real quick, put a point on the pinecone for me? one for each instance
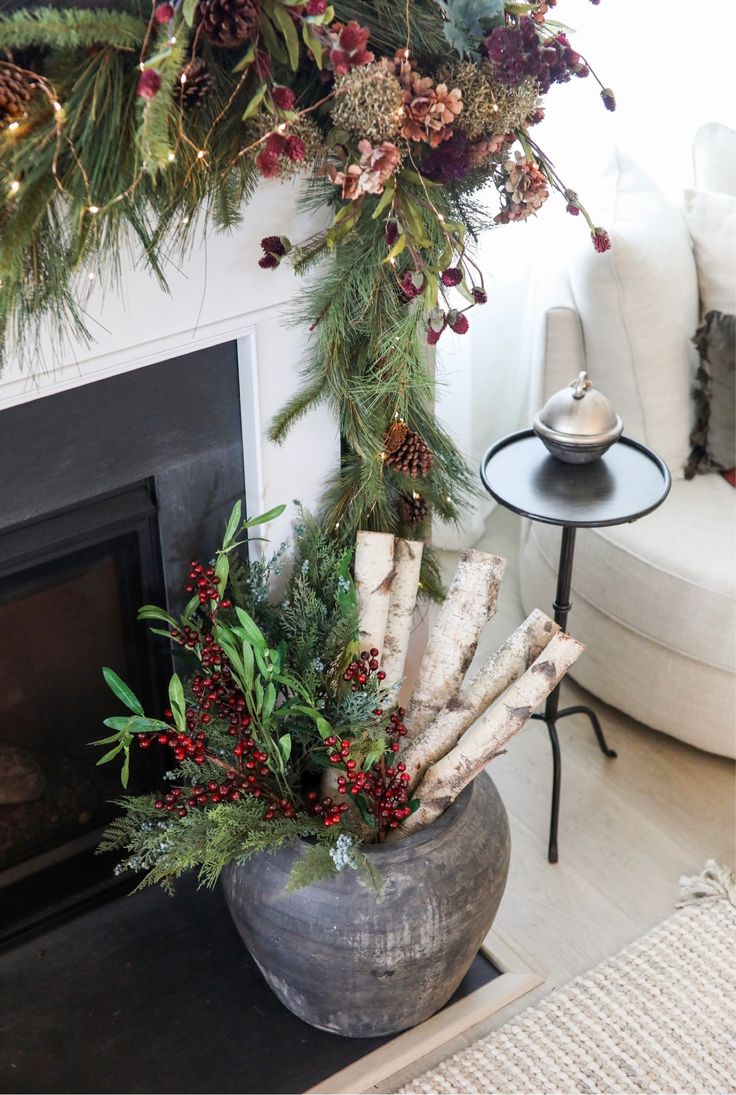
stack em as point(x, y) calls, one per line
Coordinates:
point(193, 90)
point(16, 92)
point(227, 23)
point(406, 451)
point(412, 510)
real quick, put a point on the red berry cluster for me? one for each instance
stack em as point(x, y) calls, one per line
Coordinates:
point(186, 746)
point(360, 669)
point(329, 811)
point(187, 637)
point(385, 791)
point(216, 696)
point(204, 582)
point(208, 794)
point(396, 728)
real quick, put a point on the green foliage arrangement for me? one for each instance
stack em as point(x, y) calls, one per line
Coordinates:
point(280, 692)
point(119, 123)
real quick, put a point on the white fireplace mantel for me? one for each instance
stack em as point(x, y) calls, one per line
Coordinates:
point(217, 294)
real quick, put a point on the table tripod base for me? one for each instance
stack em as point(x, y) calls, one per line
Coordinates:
point(551, 723)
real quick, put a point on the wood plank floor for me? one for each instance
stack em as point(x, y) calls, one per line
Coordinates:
point(629, 827)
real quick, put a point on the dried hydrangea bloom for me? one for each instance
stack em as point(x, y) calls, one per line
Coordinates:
point(526, 189)
point(368, 102)
point(489, 107)
point(429, 112)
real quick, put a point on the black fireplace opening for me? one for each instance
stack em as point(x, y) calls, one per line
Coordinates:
point(109, 490)
point(70, 587)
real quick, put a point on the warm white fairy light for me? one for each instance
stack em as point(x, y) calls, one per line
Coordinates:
point(281, 128)
point(415, 496)
point(13, 126)
point(171, 157)
point(14, 186)
point(183, 78)
point(57, 105)
point(142, 67)
point(93, 209)
point(91, 275)
point(172, 40)
point(201, 154)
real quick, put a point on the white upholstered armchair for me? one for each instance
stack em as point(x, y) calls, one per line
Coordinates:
point(654, 601)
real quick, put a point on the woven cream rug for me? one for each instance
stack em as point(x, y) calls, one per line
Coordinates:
point(659, 1017)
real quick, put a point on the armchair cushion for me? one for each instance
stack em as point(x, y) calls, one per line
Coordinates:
point(638, 305)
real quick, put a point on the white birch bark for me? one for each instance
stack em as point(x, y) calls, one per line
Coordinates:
point(501, 669)
point(446, 779)
point(470, 603)
point(407, 564)
point(374, 575)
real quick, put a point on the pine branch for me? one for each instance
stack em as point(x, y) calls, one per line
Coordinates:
point(70, 29)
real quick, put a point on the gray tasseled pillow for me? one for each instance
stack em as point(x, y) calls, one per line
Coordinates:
point(713, 438)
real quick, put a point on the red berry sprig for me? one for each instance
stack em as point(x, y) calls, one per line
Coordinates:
point(362, 669)
point(385, 790)
point(329, 811)
point(204, 582)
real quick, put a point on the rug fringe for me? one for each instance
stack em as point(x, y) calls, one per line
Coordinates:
point(714, 883)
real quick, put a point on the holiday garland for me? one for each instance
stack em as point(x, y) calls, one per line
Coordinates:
point(115, 123)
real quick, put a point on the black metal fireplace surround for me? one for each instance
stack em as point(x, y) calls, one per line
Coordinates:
point(106, 492)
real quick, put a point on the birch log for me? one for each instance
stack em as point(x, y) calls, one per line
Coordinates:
point(470, 603)
point(374, 575)
point(474, 697)
point(446, 779)
point(407, 563)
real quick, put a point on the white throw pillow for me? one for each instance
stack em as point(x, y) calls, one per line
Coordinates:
point(711, 220)
point(638, 305)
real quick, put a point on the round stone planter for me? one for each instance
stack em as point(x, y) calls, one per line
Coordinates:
point(362, 964)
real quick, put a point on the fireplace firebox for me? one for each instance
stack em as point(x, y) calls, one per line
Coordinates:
point(115, 486)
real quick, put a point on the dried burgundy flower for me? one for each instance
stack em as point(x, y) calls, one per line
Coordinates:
point(391, 232)
point(164, 13)
point(283, 97)
point(408, 284)
point(316, 7)
point(274, 244)
point(458, 322)
point(295, 149)
point(453, 275)
point(435, 327)
point(572, 209)
point(601, 240)
point(480, 296)
point(274, 249)
point(267, 162)
point(609, 99)
point(149, 83)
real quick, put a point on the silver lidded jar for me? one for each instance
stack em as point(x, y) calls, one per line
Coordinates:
point(578, 424)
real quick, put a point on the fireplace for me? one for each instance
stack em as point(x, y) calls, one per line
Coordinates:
point(115, 486)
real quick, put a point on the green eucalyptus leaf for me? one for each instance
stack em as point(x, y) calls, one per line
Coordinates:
point(255, 102)
point(285, 23)
point(233, 523)
point(177, 703)
point(249, 665)
point(250, 629)
point(105, 741)
point(125, 770)
point(116, 722)
point(153, 612)
point(222, 572)
point(110, 754)
point(122, 691)
point(285, 747)
point(187, 9)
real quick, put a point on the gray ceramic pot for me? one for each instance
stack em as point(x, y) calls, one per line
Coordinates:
point(362, 964)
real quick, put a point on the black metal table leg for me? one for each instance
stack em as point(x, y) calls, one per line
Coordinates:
point(552, 713)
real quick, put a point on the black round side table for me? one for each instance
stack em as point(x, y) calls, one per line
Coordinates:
point(626, 483)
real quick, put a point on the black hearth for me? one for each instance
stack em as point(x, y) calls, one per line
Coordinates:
point(109, 491)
